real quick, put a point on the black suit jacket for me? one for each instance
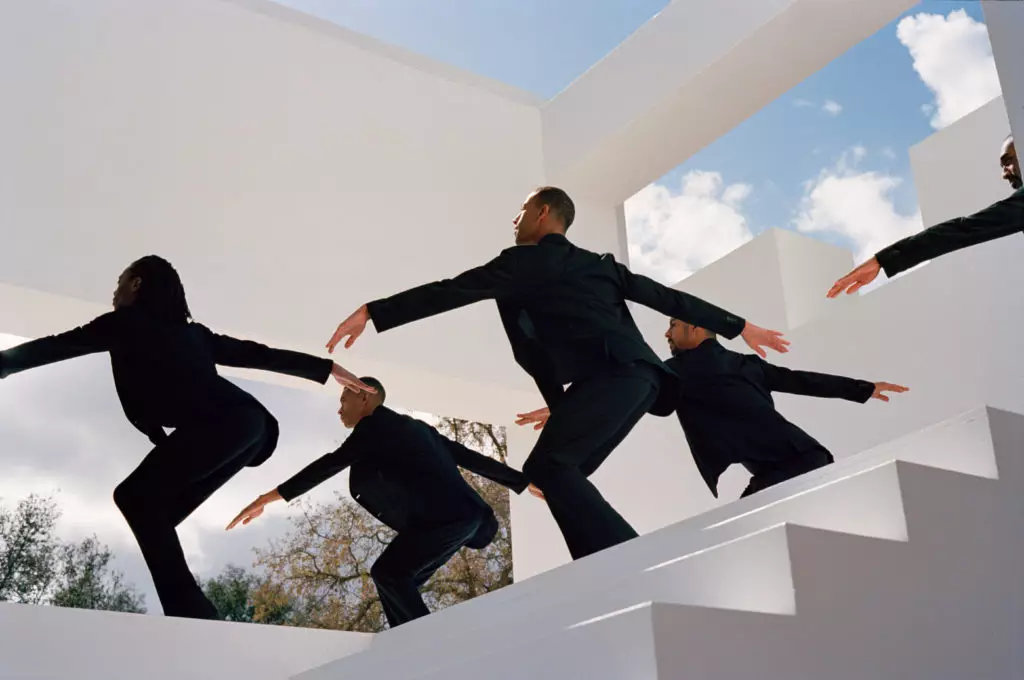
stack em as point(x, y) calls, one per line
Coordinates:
point(563, 308)
point(407, 475)
point(999, 219)
point(725, 406)
point(166, 374)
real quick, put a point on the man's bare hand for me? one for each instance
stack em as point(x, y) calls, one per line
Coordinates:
point(757, 338)
point(536, 492)
point(882, 387)
point(539, 418)
point(350, 328)
point(254, 509)
point(856, 279)
point(347, 378)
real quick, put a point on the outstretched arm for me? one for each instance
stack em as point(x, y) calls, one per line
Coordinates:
point(228, 351)
point(99, 335)
point(310, 476)
point(488, 281)
point(999, 219)
point(823, 385)
point(693, 310)
point(482, 465)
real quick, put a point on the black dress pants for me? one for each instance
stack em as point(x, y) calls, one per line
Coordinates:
point(765, 474)
point(587, 423)
point(171, 482)
point(409, 562)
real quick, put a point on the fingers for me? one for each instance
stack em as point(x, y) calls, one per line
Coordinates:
point(235, 521)
point(249, 513)
point(539, 425)
point(836, 288)
point(336, 338)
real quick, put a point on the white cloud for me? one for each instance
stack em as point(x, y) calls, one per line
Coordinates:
point(855, 204)
point(802, 103)
point(832, 108)
point(953, 56)
point(673, 234)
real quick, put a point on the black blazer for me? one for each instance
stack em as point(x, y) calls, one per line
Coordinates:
point(166, 374)
point(999, 219)
point(725, 406)
point(407, 475)
point(563, 308)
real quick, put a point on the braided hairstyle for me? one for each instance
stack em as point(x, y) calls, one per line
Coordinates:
point(161, 292)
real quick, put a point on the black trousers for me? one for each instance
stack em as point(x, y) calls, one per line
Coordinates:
point(171, 482)
point(589, 421)
point(409, 562)
point(765, 474)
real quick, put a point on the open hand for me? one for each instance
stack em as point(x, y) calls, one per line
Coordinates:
point(856, 279)
point(757, 338)
point(254, 509)
point(882, 387)
point(539, 417)
point(350, 328)
point(349, 380)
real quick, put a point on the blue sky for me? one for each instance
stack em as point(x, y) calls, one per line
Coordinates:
point(792, 165)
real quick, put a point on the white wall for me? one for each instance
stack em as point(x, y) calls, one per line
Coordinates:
point(290, 169)
point(1005, 22)
point(949, 330)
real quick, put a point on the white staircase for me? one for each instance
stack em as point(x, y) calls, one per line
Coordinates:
point(905, 561)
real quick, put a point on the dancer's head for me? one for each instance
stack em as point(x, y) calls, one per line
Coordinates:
point(1010, 164)
point(683, 336)
point(357, 405)
point(152, 284)
point(548, 210)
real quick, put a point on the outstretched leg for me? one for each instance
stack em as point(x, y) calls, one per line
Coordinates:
point(593, 417)
point(171, 482)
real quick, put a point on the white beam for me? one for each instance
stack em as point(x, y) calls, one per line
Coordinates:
point(688, 76)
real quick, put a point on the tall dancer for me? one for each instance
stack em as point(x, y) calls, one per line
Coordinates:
point(564, 312)
point(164, 367)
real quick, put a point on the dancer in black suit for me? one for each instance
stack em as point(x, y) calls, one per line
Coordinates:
point(724, 403)
point(564, 311)
point(1000, 219)
point(407, 475)
point(164, 368)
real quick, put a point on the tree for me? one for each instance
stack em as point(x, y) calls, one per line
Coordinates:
point(37, 568)
point(86, 581)
point(28, 550)
point(321, 568)
point(234, 594)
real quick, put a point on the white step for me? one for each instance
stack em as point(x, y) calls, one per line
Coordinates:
point(731, 567)
point(946, 605)
point(864, 499)
point(962, 443)
point(54, 643)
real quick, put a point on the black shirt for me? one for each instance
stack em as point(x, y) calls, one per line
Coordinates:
point(725, 406)
point(405, 473)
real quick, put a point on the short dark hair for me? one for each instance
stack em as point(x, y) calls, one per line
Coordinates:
point(377, 385)
point(558, 202)
point(161, 292)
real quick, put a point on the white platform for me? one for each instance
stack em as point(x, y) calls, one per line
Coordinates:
point(903, 561)
point(899, 562)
